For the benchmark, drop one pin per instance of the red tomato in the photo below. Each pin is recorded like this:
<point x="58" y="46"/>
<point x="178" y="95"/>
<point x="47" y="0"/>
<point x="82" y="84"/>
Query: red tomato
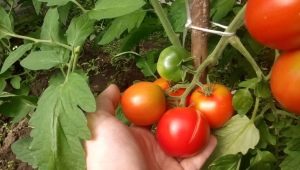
<point x="182" y="132"/>
<point x="163" y="83"/>
<point x="274" y="23"/>
<point x="179" y="92"/>
<point x="285" y="81"/>
<point x="217" y="107"/>
<point x="143" y="103"/>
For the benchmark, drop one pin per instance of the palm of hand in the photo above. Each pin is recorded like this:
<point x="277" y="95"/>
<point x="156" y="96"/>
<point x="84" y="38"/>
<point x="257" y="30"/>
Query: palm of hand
<point x="116" y="146"/>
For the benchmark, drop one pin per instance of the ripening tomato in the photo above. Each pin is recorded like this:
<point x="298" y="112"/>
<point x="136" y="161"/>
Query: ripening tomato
<point x="182" y="132"/>
<point x="163" y="83"/>
<point x="170" y="61"/>
<point x="143" y="103"/>
<point x="274" y="23"/>
<point x="285" y="81"/>
<point x="217" y="106"/>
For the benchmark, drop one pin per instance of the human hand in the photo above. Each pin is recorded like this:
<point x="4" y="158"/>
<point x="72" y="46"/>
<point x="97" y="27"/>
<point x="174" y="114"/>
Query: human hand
<point x="115" y="146"/>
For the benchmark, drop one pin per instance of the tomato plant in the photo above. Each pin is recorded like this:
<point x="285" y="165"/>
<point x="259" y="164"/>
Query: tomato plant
<point x="170" y="61"/>
<point x="182" y="132"/>
<point x="285" y="81"/>
<point x="143" y="103"/>
<point x="274" y="23"/>
<point x="215" y="102"/>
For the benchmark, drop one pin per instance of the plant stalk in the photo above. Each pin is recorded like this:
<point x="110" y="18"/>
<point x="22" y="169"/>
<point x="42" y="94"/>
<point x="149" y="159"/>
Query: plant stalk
<point x="165" y="23"/>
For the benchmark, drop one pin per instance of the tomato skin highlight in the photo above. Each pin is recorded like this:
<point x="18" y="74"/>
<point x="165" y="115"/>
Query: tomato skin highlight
<point x="169" y="61"/>
<point x="143" y="103"/>
<point x="217" y="107"/>
<point x="274" y="23"/>
<point x="285" y="81"/>
<point x="182" y="132"/>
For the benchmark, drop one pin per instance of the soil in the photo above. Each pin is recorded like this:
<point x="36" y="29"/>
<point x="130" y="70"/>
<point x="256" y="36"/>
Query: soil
<point x="101" y="72"/>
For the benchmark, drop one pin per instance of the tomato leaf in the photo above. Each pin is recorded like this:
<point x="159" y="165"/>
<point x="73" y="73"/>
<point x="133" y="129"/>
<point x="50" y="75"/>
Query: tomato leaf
<point x="16" y="82"/>
<point x="51" y="26"/>
<point x="80" y="28"/>
<point x="147" y="63"/>
<point x="55" y="2"/>
<point x="177" y="15"/>
<point x="42" y="60"/>
<point x="114" y="8"/>
<point x="15" y="56"/>
<point x="22" y="151"/>
<point x="147" y="27"/>
<point x="120" y="25"/>
<point x="5" y="23"/>
<point x="64" y="12"/>
<point x="238" y="135"/>
<point x="250" y="83"/>
<point x="265" y="136"/>
<point x="262" y="89"/>
<point x="263" y="160"/>
<point x="37" y="6"/>
<point x="242" y="101"/>
<point x="228" y="162"/>
<point x="291" y="162"/>
<point x="2" y="84"/>
<point x="221" y="8"/>
<point x="17" y="107"/>
<point x="60" y="123"/>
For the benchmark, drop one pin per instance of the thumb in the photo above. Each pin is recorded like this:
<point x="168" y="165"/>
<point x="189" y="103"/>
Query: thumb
<point x="108" y="100"/>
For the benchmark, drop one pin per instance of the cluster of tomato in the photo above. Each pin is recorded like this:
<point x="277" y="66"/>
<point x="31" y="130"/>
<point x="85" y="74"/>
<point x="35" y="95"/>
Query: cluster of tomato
<point x="275" y="23"/>
<point x="180" y="131"/>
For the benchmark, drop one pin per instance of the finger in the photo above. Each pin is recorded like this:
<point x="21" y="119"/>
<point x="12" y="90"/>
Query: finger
<point x="108" y="100"/>
<point x="197" y="161"/>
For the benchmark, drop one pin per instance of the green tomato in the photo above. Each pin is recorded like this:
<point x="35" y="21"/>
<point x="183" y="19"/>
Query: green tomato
<point x="170" y="61"/>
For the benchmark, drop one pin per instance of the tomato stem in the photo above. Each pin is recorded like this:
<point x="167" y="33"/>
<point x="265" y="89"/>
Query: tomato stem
<point x="35" y="40"/>
<point x="212" y="59"/>
<point x="237" y="44"/>
<point x="165" y="23"/>
<point x="254" y="113"/>
<point x="80" y="6"/>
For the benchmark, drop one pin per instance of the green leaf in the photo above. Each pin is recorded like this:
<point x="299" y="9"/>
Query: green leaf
<point x="148" y="26"/>
<point x="15" y="56"/>
<point x="42" y="60"/>
<point x="147" y="63"/>
<point x="242" y="101"/>
<point x="2" y="84"/>
<point x="177" y="15"/>
<point x="5" y="23"/>
<point x="59" y="122"/>
<point x="262" y="89"/>
<point x="37" y="6"/>
<point x="237" y="136"/>
<point x="64" y="12"/>
<point x="291" y="161"/>
<point x="221" y="8"/>
<point x="21" y="149"/>
<point x="51" y="26"/>
<point x="17" y="107"/>
<point x="16" y="82"/>
<point x="265" y="135"/>
<point x="80" y="28"/>
<point x="114" y="8"/>
<point x="228" y="162"/>
<point x="250" y="83"/>
<point x="263" y="160"/>
<point x="122" y="24"/>
<point x="120" y="116"/>
<point x="55" y="2"/>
